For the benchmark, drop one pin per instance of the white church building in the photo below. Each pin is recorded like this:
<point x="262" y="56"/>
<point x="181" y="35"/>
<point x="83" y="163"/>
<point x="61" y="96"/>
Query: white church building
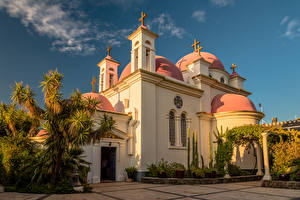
<point x="155" y="101"/>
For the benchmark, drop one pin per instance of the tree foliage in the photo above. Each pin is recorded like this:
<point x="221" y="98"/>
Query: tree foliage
<point x="68" y="123"/>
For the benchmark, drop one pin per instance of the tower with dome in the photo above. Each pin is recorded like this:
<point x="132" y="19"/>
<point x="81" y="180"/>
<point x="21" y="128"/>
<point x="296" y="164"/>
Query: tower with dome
<point x="154" y="102"/>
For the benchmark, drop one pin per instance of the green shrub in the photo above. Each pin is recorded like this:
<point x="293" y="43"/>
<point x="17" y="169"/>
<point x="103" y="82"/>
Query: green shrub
<point x="197" y="172"/>
<point x="131" y="172"/>
<point x="223" y="155"/>
<point x="152" y="170"/>
<point x="164" y="166"/>
<point x="234" y="170"/>
<point x="285" y="155"/>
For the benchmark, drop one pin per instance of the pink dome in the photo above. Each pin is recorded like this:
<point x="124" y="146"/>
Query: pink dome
<point x="42" y="133"/>
<point x="163" y="66"/>
<point x="208" y="57"/>
<point x="104" y="102"/>
<point x="231" y="102"/>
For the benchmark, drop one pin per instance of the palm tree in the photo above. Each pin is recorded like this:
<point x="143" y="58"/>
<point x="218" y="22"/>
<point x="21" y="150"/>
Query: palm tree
<point x="68" y="122"/>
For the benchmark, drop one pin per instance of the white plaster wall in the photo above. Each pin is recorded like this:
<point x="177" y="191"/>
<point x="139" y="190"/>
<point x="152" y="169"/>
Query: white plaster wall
<point x="237" y="82"/>
<point x="217" y="74"/>
<point x="165" y="102"/>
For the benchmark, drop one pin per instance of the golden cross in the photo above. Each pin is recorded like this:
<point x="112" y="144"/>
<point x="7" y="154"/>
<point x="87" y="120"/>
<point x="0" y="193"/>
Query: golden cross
<point x="195" y="44"/>
<point x="233" y="68"/>
<point x="143" y="16"/>
<point x="199" y="49"/>
<point x="108" y="50"/>
<point x="93" y="83"/>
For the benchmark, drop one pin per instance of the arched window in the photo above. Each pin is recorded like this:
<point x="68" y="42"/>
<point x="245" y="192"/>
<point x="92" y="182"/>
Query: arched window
<point x="183" y="129"/>
<point x="172" y="128"/>
<point x="222" y="80"/>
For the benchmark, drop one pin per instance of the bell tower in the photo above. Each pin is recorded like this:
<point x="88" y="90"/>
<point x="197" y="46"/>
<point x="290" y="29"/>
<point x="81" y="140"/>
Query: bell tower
<point x="108" y="75"/>
<point x="143" y="47"/>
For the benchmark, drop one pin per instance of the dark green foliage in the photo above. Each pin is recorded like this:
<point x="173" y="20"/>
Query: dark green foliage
<point x="68" y="123"/>
<point x="131" y="172"/>
<point x="165" y="167"/>
<point x="234" y="170"/>
<point x="223" y="155"/>
<point x="197" y="173"/>
<point x="152" y="170"/>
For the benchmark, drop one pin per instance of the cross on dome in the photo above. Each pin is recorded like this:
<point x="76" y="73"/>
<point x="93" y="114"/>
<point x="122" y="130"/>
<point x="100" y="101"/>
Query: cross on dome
<point x="93" y="83"/>
<point x="143" y="16"/>
<point x="195" y="44"/>
<point x="108" y="50"/>
<point x="233" y="68"/>
<point x="199" y="49"/>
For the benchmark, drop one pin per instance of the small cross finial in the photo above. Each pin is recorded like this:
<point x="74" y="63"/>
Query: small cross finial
<point x="142" y="19"/>
<point x="233" y="68"/>
<point x="195" y="44"/>
<point x="93" y="83"/>
<point x="199" y="49"/>
<point x="108" y="50"/>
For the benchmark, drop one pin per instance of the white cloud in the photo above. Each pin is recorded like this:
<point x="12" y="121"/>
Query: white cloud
<point x="63" y="22"/>
<point x="166" y="25"/>
<point x="199" y="15"/>
<point x="292" y="27"/>
<point x="222" y="3"/>
<point x="284" y="20"/>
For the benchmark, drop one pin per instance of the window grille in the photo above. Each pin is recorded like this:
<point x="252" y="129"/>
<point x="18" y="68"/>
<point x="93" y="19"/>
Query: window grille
<point x="172" y="128"/>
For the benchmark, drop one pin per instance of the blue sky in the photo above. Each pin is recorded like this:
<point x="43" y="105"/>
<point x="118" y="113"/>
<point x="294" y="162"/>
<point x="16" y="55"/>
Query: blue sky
<point x="261" y="36"/>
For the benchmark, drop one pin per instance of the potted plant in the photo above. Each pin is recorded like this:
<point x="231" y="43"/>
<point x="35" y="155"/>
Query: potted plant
<point x="210" y="173"/>
<point x="198" y="173"/>
<point x="131" y="173"/>
<point x="161" y="173"/>
<point x="179" y="170"/>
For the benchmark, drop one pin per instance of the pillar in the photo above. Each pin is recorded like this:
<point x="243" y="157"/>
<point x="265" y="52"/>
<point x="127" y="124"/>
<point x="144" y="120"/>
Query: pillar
<point x="267" y="175"/>
<point x="258" y="159"/>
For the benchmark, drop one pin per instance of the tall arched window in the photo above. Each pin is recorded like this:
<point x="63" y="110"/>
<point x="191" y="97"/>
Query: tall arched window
<point x="172" y="128"/>
<point x="183" y="129"/>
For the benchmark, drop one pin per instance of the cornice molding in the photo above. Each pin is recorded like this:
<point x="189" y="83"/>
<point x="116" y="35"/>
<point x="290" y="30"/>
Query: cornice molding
<point x="240" y="114"/>
<point x="205" y="116"/>
<point x="155" y="78"/>
<point x="144" y="30"/>
<point x="220" y="86"/>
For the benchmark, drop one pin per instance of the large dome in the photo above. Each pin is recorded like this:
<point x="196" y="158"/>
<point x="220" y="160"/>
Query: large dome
<point x="104" y="102"/>
<point x="163" y="66"/>
<point x="182" y="64"/>
<point x="231" y="102"/>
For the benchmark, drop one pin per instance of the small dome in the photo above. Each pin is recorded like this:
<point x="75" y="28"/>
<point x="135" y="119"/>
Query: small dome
<point x="231" y="102"/>
<point x="208" y="57"/>
<point x="163" y="66"/>
<point x="42" y="133"/>
<point x="104" y="102"/>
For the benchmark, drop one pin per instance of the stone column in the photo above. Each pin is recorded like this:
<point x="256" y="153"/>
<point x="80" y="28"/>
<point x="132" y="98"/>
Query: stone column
<point x="258" y="158"/>
<point x="267" y="175"/>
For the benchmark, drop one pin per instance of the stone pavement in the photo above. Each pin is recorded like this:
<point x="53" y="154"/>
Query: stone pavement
<point x="140" y="191"/>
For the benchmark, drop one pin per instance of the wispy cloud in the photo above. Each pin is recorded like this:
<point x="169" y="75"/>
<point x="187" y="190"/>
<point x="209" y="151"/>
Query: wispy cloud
<point x="284" y="20"/>
<point x="64" y="23"/>
<point x="222" y="3"/>
<point x="199" y="15"/>
<point x="164" y="24"/>
<point x="292" y="27"/>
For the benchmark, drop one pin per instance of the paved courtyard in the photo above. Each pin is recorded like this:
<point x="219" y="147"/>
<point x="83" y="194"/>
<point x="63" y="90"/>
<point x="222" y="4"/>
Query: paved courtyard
<point x="132" y="191"/>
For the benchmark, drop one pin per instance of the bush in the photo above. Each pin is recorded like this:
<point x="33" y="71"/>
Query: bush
<point x="197" y="172"/>
<point x="223" y="155"/>
<point x="169" y="169"/>
<point x="234" y="170"/>
<point x="285" y="155"/>
<point x="152" y="170"/>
